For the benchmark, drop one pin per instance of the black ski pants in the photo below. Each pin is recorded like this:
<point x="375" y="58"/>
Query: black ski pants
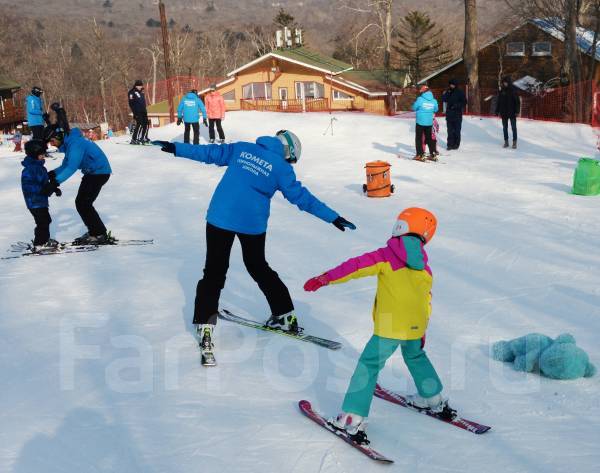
<point x="424" y="130"/>
<point x="186" y="133"/>
<point x="218" y="251"/>
<point x="140" y="129"/>
<point x="454" y="126"/>
<point x="84" y="202"/>
<point x="37" y="132"/>
<point x="513" y="125"/>
<point x="42" y="225"/>
<point x="211" y="128"/>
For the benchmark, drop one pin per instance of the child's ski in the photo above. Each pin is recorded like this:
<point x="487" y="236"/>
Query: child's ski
<point x="457" y="421"/>
<point x="412" y="158"/>
<point x="308" y="411"/>
<point x="25" y="249"/>
<point x="114" y="243"/>
<point x="323" y="342"/>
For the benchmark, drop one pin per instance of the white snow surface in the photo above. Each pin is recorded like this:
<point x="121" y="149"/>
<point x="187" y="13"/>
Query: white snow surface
<point x="100" y="368"/>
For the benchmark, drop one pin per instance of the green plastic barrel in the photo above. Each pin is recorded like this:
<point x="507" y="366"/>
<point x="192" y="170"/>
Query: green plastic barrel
<point x="587" y="177"/>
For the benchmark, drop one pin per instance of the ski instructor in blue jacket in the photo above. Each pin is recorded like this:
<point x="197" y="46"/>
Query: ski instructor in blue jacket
<point x="426" y="107"/>
<point x="188" y="111"/>
<point x="86" y="156"/>
<point x="240" y="207"/>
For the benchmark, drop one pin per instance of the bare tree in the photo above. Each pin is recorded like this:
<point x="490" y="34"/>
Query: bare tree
<point x="155" y="52"/>
<point x="470" y="55"/>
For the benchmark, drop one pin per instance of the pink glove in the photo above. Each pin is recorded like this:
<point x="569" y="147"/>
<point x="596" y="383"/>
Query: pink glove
<point x="316" y="283"/>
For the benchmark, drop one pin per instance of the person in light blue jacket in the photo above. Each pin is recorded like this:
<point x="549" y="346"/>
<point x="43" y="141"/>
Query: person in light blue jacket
<point x="35" y="113"/>
<point x="86" y="156"/>
<point x="426" y="107"/>
<point x="240" y="207"/>
<point x="189" y="111"/>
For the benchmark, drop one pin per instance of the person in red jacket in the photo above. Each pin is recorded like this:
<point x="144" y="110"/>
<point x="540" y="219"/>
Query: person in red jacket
<point x="215" y="107"/>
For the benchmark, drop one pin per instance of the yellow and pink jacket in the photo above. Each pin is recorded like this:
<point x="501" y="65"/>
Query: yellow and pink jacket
<point x="404" y="279"/>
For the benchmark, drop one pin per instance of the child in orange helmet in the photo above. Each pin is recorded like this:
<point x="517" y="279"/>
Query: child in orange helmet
<point x="400" y="314"/>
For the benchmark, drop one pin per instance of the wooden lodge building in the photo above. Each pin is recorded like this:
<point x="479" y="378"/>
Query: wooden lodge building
<point x="298" y="79"/>
<point x="11" y="112"/>
<point x="530" y="54"/>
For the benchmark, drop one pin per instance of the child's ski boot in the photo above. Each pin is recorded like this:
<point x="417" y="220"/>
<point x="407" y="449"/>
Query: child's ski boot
<point x="433" y="156"/>
<point x="437" y="405"/>
<point x="286" y="323"/>
<point x="48" y="247"/>
<point x="354" y="425"/>
<point x="420" y="157"/>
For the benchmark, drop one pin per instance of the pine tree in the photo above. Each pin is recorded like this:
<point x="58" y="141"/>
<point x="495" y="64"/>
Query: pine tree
<point x="283" y="19"/>
<point x="419" y="44"/>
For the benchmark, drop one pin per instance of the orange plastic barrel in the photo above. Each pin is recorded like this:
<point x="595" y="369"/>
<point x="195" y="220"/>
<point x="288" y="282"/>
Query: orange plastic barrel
<point x="379" y="179"/>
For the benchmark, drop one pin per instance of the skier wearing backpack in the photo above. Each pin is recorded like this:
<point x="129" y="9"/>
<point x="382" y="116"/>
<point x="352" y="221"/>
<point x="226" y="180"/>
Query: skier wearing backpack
<point x="400" y="314"/>
<point x="240" y="208"/>
<point x="426" y="107"/>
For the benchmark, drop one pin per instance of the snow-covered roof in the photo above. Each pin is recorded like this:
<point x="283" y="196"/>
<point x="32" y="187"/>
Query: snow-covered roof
<point x="555" y="27"/>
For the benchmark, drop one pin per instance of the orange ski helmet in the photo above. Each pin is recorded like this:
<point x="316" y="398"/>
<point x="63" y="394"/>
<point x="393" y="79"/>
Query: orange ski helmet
<point x="418" y="221"/>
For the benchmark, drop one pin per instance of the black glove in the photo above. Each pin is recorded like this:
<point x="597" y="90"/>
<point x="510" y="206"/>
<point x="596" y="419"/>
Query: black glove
<point x="46" y="117"/>
<point x="205" y="122"/>
<point x="341" y="224"/>
<point x="51" y="188"/>
<point x="178" y="121"/>
<point x="165" y="146"/>
<point x="52" y="176"/>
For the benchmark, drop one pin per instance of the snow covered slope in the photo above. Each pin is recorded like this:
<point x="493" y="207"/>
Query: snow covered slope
<point x="100" y="371"/>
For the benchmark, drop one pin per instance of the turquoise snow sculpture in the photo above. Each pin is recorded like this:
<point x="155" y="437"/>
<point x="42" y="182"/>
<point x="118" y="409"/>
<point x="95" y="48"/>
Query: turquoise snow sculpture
<point x="557" y="359"/>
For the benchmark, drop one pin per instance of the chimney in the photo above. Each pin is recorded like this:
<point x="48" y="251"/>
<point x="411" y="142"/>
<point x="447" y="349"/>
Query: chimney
<point x="279" y="39"/>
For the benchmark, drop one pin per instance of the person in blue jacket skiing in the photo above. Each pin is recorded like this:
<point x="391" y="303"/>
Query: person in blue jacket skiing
<point x="189" y="111"/>
<point x="240" y="207"/>
<point x="35" y="113"/>
<point x="426" y="107"/>
<point x="86" y="156"/>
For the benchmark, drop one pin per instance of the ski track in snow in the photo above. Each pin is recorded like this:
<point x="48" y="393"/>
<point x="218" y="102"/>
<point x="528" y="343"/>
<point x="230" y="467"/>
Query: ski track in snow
<point x="101" y="372"/>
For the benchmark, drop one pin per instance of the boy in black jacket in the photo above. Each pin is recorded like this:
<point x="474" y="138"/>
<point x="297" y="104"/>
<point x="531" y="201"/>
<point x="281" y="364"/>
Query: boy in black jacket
<point x="37" y="187"/>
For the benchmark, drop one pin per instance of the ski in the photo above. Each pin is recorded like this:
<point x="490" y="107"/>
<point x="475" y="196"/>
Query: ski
<point x="323" y="342"/>
<point x="412" y="158"/>
<point x="458" y="421"/>
<point x="113" y="243"/>
<point x="61" y="249"/>
<point x="129" y="144"/>
<point x="307" y="410"/>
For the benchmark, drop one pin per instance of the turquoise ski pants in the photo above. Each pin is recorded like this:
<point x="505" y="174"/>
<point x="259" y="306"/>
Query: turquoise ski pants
<point x="376" y="353"/>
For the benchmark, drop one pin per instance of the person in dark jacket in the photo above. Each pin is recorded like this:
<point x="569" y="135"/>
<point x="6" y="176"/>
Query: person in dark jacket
<point x="37" y="187"/>
<point x="137" y="104"/>
<point x="508" y="106"/>
<point x="240" y="208"/>
<point x="455" y="101"/>
<point x="35" y="113"/>
<point x="86" y="156"/>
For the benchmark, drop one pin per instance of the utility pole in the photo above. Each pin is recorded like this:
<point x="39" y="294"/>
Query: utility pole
<point x="167" y="56"/>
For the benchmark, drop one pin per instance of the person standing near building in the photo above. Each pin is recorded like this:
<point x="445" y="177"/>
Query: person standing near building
<point x="215" y="105"/>
<point x="455" y="101"/>
<point x="508" y="107"/>
<point x="426" y="107"/>
<point x="188" y="111"/>
<point x="35" y="113"/>
<point x="137" y="104"/>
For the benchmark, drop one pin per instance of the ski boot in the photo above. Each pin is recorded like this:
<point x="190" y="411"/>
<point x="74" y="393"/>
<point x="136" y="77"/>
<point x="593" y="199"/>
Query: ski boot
<point x="48" y="247"/>
<point x="433" y="156"/>
<point x="221" y="142"/>
<point x="145" y="141"/>
<point x="354" y="425"/>
<point x="135" y="142"/>
<point x="505" y="144"/>
<point x="207" y="347"/>
<point x="436" y="405"/>
<point x="286" y="323"/>
<point x="87" y="239"/>
<point x="514" y="146"/>
<point x="420" y="157"/>
<point x="212" y="141"/>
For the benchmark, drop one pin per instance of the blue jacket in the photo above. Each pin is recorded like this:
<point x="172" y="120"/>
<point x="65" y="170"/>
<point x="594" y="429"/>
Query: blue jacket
<point x="190" y="107"/>
<point x="33" y="104"/>
<point x="426" y="106"/>
<point x="82" y="154"/>
<point x="33" y="178"/>
<point x="255" y="171"/>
